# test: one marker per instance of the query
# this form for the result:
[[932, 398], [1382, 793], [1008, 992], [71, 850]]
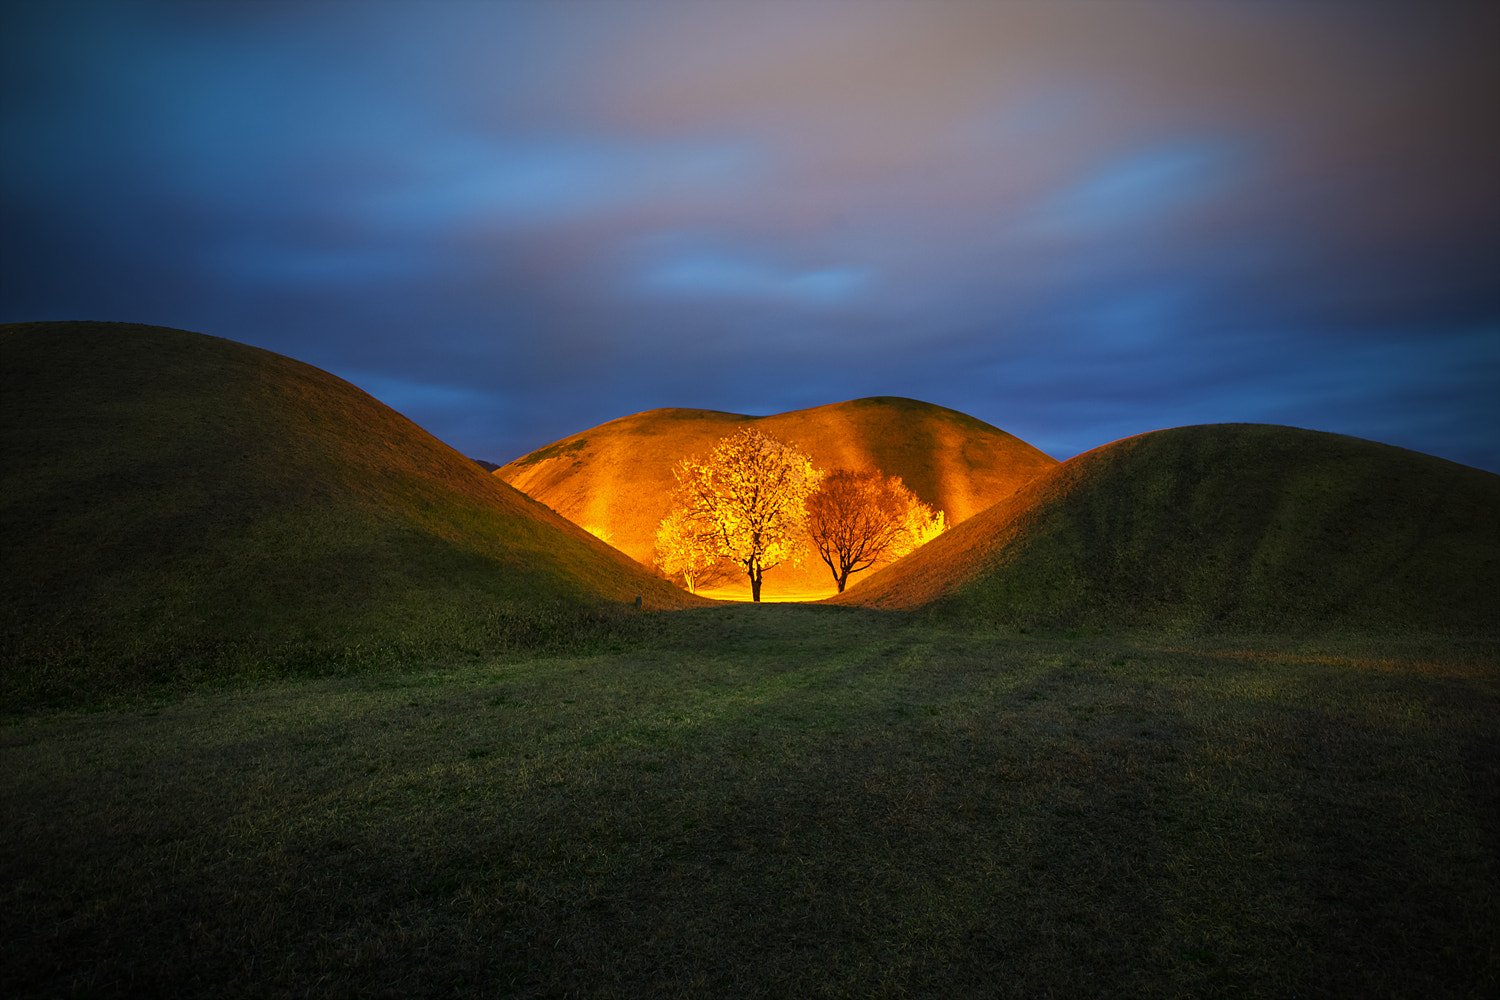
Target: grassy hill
[[615, 479], [1235, 526], [173, 502]]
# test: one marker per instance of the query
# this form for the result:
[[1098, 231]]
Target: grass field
[[297, 701], [776, 800]]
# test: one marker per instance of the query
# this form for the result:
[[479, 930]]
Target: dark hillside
[[173, 501], [1233, 526]]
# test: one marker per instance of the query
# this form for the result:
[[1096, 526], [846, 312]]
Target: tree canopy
[[857, 519], [687, 547], [746, 502]]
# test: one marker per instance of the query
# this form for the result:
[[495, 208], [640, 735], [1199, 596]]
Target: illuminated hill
[[1226, 526], [170, 499], [615, 479]]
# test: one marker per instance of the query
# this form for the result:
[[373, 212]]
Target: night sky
[[513, 221]]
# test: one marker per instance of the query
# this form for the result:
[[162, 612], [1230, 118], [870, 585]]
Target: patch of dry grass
[[778, 801]]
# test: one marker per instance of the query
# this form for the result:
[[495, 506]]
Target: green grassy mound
[[1233, 526], [175, 503], [616, 479]]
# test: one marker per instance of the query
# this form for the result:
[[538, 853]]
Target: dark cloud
[[513, 221]]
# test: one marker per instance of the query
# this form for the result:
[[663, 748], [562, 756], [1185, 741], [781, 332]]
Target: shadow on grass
[[774, 801]]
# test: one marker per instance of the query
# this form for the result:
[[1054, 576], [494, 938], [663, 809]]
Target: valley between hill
[[299, 701], [178, 508]]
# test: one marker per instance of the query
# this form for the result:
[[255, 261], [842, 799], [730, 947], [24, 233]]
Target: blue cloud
[[1142, 188], [455, 178], [719, 275], [1075, 228], [407, 395]]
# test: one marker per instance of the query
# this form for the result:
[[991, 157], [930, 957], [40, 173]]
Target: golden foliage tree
[[687, 547], [746, 502], [857, 519]]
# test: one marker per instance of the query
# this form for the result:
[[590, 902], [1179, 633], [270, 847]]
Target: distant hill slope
[[616, 478], [168, 497], [1236, 526]]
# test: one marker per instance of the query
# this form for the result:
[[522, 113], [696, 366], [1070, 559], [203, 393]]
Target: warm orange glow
[[772, 593], [618, 476], [859, 519], [743, 505]]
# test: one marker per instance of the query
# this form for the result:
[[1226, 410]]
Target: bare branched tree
[[857, 519]]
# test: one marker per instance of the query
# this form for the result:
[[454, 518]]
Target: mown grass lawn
[[777, 800]]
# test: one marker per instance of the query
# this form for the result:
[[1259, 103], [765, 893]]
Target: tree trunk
[[843, 578], [755, 582]]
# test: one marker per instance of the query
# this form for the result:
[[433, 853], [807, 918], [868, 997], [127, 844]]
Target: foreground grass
[[777, 801]]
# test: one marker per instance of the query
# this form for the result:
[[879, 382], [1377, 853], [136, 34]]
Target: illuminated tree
[[857, 519], [687, 547], [749, 496]]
